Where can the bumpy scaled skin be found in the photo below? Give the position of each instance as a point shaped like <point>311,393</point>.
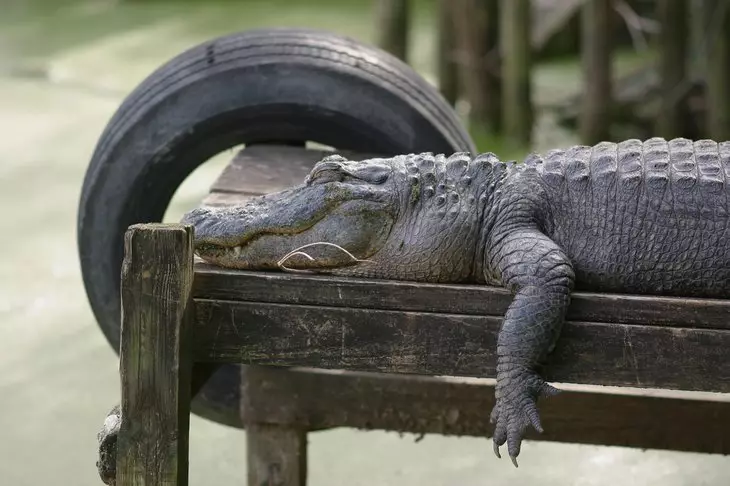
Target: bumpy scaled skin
<point>634,217</point>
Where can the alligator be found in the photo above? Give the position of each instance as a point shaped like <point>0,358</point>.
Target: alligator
<point>642,217</point>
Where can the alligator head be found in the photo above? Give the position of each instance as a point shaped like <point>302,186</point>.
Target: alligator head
<point>391,215</point>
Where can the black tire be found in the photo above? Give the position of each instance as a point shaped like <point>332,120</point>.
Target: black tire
<point>261,85</point>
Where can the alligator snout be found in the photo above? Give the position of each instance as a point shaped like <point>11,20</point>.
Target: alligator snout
<point>218,226</point>
<point>195,216</point>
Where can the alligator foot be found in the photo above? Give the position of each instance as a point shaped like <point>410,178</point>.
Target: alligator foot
<point>516,409</point>
<point>107,462</point>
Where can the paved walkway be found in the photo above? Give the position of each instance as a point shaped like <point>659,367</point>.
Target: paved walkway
<point>62,74</point>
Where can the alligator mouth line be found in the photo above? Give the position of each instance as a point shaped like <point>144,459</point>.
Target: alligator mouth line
<point>237,249</point>
<point>256,233</point>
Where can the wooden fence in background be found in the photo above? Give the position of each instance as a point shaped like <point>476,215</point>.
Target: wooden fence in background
<point>487,50</point>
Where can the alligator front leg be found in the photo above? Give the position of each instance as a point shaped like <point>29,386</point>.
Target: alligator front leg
<point>541,277</point>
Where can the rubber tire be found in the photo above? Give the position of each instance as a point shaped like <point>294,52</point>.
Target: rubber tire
<point>259,85</point>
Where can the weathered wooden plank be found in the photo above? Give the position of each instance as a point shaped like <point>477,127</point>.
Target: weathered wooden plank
<point>275,287</point>
<point>455,345</point>
<point>261,169</point>
<point>155,365</point>
<point>429,405</point>
<point>276,455</point>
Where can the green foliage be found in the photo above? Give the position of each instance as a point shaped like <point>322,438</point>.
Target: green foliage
<point>489,142</point>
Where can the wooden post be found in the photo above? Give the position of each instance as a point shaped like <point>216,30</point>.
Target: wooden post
<point>448,78</point>
<point>477,31</point>
<point>717,42</point>
<point>672,45</point>
<point>155,363</point>
<point>277,453</point>
<point>392,26</point>
<point>697,35</point>
<point>515,34</point>
<point>595,114</point>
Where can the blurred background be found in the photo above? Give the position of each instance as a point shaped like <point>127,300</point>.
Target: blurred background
<point>524,75</point>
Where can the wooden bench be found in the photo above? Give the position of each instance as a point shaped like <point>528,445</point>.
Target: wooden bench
<point>420,357</point>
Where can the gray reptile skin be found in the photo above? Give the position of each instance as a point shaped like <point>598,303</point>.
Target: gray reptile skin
<point>634,217</point>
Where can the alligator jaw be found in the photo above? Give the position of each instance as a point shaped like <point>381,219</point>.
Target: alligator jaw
<point>258,234</point>
<point>286,212</point>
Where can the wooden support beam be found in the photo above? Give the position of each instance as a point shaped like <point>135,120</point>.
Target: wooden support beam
<point>155,363</point>
<point>697,38</point>
<point>672,43</point>
<point>392,26</point>
<point>595,115</point>
<point>717,25</point>
<point>276,454</point>
<point>446,52</point>
<point>517,111</point>
<point>477,34</point>
<point>440,405</point>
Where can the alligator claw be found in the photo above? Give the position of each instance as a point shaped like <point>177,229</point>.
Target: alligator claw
<point>516,410</point>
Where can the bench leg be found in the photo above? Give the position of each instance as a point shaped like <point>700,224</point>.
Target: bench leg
<point>155,364</point>
<point>277,455</point>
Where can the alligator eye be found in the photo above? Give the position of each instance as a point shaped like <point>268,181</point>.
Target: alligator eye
<point>328,169</point>
<point>324,176</point>
<point>373,173</point>
<point>337,169</point>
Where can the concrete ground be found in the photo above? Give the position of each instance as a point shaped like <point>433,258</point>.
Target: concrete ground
<point>63,71</point>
